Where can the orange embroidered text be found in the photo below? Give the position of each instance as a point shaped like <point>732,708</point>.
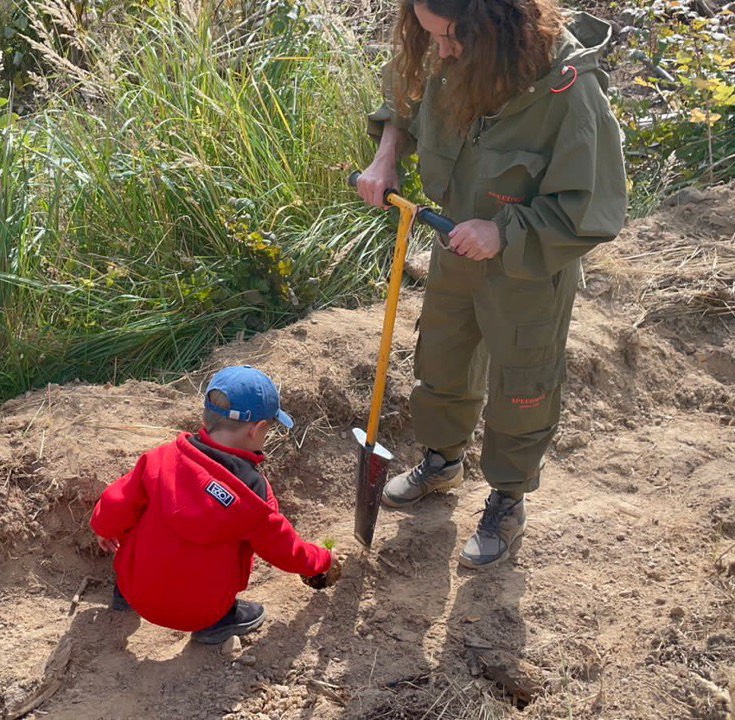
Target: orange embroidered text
<point>525,403</point>
<point>506,198</point>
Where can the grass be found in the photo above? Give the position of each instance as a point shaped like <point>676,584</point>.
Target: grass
<point>186,188</point>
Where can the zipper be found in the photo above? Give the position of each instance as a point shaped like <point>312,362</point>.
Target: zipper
<point>484,121</point>
<point>480,129</point>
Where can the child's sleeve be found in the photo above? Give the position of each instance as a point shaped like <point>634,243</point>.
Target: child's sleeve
<point>277,542</point>
<point>121,504</point>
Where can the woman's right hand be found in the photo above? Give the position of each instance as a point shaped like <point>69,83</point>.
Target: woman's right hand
<point>377,177</point>
<point>382,173</point>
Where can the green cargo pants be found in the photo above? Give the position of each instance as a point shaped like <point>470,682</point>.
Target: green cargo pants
<point>483,332</point>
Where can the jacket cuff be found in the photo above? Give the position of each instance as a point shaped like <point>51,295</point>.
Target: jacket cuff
<point>502,220</point>
<point>376,121</point>
<point>384,114</point>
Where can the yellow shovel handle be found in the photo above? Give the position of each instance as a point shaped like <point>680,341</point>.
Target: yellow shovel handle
<point>408,215</point>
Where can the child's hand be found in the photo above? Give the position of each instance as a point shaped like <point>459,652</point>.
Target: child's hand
<point>108,544</point>
<point>325,579</point>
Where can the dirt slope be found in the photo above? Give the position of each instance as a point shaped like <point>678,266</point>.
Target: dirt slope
<point>621,603</point>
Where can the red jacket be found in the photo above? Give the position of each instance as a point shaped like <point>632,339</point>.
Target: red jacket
<point>188,530</point>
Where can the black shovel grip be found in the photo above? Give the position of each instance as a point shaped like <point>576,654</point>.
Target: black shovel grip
<point>439,222</point>
<point>428,217</point>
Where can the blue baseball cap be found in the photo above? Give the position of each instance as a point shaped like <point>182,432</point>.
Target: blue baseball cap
<point>252,395</point>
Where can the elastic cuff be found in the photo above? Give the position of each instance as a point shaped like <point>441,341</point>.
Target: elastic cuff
<point>502,220</point>
<point>376,121</point>
<point>516,495</point>
<point>452,453</point>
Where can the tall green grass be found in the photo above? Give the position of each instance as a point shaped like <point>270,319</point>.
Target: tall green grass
<point>185,189</point>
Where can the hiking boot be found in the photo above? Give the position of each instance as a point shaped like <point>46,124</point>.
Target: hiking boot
<point>243,618</point>
<point>118,601</point>
<point>499,533</point>
<point>432,473</point>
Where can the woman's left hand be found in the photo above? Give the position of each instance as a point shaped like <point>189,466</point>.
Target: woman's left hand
<point>475,239</point>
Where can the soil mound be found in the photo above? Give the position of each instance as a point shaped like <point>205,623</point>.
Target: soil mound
<point>620,605</point>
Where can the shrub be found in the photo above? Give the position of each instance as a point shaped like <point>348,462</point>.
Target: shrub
<point>182,189</point>
<point>680,129</point>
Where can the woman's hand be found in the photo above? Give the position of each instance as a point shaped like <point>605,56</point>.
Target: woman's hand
<point>377,177</point>
<point>381,174</point>
<point>475,239</point>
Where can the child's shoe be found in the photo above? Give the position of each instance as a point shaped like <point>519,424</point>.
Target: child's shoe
<point>118,601</point>
<point>243,618</point>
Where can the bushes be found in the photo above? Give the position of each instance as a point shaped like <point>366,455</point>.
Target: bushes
<point>185,189</point>
<point>680,126</point>
<point>17,57</point>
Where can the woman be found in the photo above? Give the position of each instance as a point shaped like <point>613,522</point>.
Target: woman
<point>504,103</point>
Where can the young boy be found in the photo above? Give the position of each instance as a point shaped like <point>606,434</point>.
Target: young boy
<point>186,522</point>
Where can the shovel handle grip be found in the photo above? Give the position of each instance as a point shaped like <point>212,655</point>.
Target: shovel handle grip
<point>428,217</point>
<point>439,222</point>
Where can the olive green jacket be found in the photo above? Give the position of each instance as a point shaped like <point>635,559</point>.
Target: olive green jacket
<point>547,168</point>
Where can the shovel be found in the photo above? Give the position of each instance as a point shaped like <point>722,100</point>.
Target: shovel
<point>373,461</point>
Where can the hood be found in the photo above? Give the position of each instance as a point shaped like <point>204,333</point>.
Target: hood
<point>580,47</point>
<point>201,501</point>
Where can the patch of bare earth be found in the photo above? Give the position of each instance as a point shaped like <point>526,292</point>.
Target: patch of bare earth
<point>621,602</point>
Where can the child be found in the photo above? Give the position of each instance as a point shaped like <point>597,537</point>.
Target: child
<point>186,522</point>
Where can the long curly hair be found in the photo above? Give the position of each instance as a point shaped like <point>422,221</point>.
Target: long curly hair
<point>506,46</point>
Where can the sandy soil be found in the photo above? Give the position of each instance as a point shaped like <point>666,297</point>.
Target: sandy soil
<point>620,604</point>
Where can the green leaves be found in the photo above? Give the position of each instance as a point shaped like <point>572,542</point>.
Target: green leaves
<point>681,128</point>
<point>201,195</point>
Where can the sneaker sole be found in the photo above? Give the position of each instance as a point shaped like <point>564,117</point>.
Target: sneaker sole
<point>219,636</point>
<point>390,502</point>
<point>511,552</point>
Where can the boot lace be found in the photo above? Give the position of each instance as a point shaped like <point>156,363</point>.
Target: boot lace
<point>420,473</point>
<point>497,507</point>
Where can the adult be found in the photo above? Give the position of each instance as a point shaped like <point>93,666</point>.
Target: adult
<point>504,102</point>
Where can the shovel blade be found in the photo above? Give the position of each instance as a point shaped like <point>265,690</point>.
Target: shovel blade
<point>372,472</point>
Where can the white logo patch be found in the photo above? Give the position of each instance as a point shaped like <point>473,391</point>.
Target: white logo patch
<point>220,494</point>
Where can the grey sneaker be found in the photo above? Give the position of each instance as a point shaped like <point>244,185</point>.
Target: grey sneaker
<point>499,533</point>
<point>432,473</point>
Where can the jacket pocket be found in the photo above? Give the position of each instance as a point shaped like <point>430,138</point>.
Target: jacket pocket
<point>506,178</point>
<point>437,145</point>
<point>435,168</point>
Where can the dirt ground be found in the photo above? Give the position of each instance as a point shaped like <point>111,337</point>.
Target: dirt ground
<point>620,605</point>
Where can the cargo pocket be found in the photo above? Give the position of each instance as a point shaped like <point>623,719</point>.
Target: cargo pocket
<point>526,399</point>
<point>506,178</point>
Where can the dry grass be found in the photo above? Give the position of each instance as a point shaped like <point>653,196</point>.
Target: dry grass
<point>676,275</point>
<point>687,279</point>
<point>439,697</point>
